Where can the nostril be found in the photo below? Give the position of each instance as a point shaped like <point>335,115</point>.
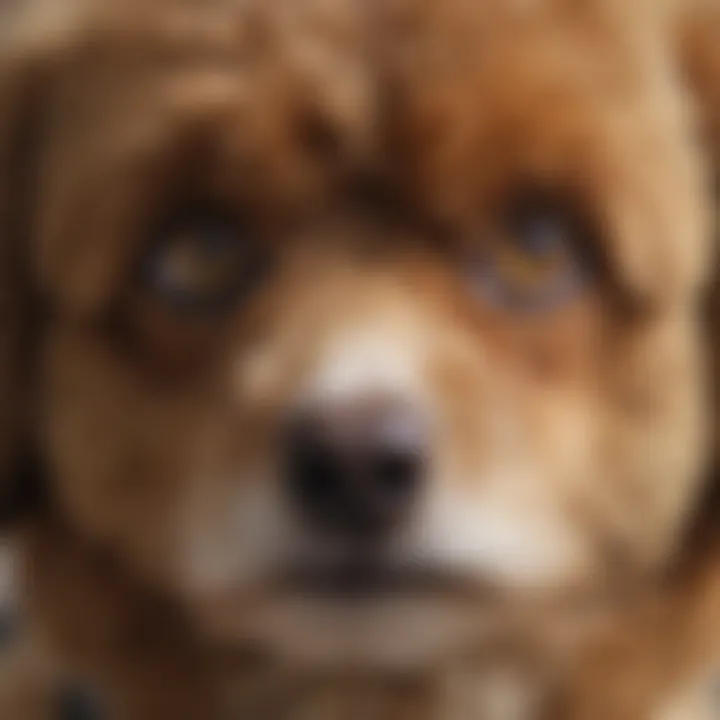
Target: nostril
<point>396,473</point>
<point>313,469</point>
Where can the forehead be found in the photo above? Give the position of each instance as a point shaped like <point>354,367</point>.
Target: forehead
<point>524,82</point>
<point>471,96</point>
<point>119,56</point>
<point>531,80</point>
<point>530,77</point>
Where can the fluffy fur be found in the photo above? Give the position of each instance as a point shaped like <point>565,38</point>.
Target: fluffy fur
<point>368,148</point>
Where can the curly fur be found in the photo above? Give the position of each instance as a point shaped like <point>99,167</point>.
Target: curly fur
<point>149,431</point>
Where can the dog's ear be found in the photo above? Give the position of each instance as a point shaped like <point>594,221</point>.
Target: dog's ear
<point>21,88</point>
<point>697,24</point>
<point>696,33</point>
<point>700,50</point>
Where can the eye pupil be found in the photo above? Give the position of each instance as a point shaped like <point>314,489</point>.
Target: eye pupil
<point>540,236</point>
<point>533,261</point>
<point>201,261</point>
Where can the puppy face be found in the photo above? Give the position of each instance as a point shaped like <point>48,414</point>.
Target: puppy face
<point>354,352</point>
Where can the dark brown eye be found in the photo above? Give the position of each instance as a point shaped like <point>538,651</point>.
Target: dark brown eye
<point>534,259</point>
<point>202,261</point>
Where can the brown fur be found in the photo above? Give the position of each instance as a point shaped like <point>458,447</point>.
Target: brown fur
<point>674,652</point>
<point>151,427</point>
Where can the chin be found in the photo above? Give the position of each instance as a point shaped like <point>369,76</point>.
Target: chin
<point>388,635</point>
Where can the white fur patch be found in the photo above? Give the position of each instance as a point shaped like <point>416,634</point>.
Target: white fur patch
<point>370,361</point>
<point>500,532</point>
<point>699,700</point>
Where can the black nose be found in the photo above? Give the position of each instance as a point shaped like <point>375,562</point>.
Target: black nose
<point>354,469</point>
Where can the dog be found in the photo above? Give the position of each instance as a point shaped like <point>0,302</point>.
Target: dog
<point>353,355</point>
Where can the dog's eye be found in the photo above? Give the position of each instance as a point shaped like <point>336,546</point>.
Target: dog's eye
<point>202,261</point>
<point>533,261</point>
